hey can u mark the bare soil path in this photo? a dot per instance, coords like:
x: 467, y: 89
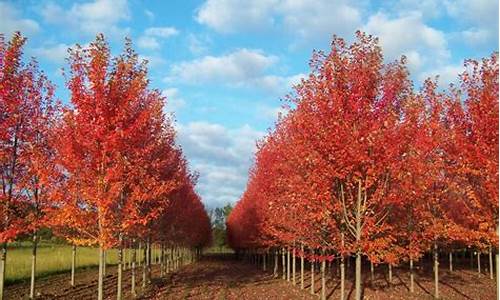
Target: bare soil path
x: 223, y: 277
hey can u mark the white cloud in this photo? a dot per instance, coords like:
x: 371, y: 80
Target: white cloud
x: 90, y: 18
x: 410, y: 36
x: 231, y: 16
x: 151, y: 36
x: 148, y: 42
x: 163, y: 32
x: 271, y: 113
x: 55, y: 53
x: 221, y: 155
x: 198, y: 44
x: 12, y: 21
x: 153, y: 60
x: 149, y: 14
x: 319, y: 20
x: 174, y: 101
x: 478, y: 12
x: 309, y: 20
x: 277, y: 85
x: 476, y: 36
x: 234, y: 68
x: 447, y: 74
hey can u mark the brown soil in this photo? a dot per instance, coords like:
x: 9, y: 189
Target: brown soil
x: 223, y: 277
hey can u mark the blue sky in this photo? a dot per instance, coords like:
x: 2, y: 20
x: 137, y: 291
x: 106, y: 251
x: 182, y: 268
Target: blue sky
x: 224, y: 65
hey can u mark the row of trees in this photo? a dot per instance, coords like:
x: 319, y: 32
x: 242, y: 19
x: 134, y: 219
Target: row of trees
x: 363, y: 165
x: 104, y: 170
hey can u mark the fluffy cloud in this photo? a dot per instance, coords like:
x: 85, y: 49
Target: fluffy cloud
x: 478, y: 12
x: 235, y: 68
x: 242, y: 68
x: 198, y: 44
x: 410, y: 36
x: 231, y: 16
x: 221, y: 155
x: 55, y: 53
x: 310, y: 20
x: 151, y: 37
x: 174, y: 101
x: 11, y: 21
x: 318, y: 20
x: 91, y: 17
x: 447, y: 74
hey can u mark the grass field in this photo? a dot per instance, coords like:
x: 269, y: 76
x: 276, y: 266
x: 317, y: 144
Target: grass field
x: 52, y: 259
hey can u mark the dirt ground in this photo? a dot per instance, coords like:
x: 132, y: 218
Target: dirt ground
x: 223, y: 277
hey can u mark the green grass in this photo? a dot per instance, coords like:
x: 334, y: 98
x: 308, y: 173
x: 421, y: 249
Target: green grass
x: 52, y: 259
x: 218, y: 250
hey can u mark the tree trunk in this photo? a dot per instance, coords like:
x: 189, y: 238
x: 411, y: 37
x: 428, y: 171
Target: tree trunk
x: 100, y: 284
x: 323, y: 279
x: 372, y: 275
x: 148, y: 263
x: 390, y: 273
x: 283, y: 263
x: 2, y: 268
x: 471, y: 259
x: 412, y: 284
x: 33, y: 266
x: 288, y: 265
x: 312, y: 277
x: 478, y: 263
x: 293, y: 266
x: 342, y: 270
x: 120, y: 269
x: 162, y: 260
x: 144, y: 266
x: 104, y: 265
x: 132, y: 275
x: 302, y: 267
x: 264, y: 261
x: 451, y: 261
x: 73, y: 265
x: 436, y: 272
x: 358, y: 240
x: 491, y: 261
x: 275, y: 272
x: 140, y: 258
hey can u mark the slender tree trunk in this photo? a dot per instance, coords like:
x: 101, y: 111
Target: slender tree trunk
x: 471, y: 259
x: 3, y: 261
x: 293, y: 266
x: 478, y: 263
x: 33, y: 265
x: 140, y: 258
x: 73, y: 265
x: 372, y: 271
x: 451, y: 261
x: 132, y: 275
x: 104, y: 265
x: 312, y: 277
x: 412, y: 284
x: 323, y: 279
x: 148, y: 263
x: 436, y: 272
x: 288, y: 264
x: 275, y: 263
x: 491, y: 261
x: 162, y: 263
x: 358, y: 240
x: 264, y: 261
x: 302, y: 267
x: 120, y: 269
x: 283, y: 263
x: 100, y: 284
x: 342, y: 270
x: 144, y: 266
x: 390, y: 273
